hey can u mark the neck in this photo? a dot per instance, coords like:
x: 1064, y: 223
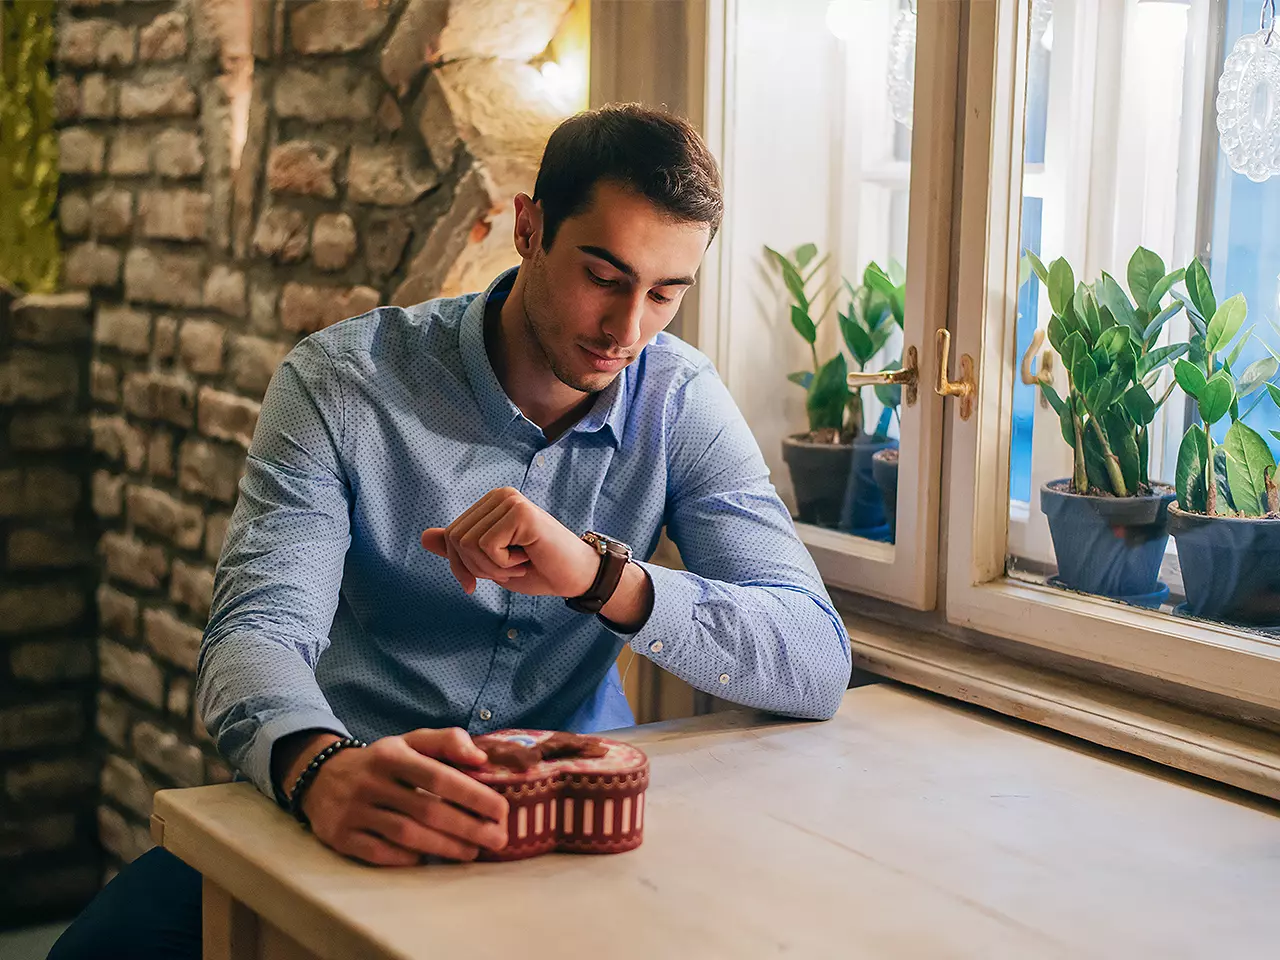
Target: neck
x: 523, y: 371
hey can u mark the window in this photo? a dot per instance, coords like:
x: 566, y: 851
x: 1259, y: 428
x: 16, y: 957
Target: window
x: 828, y: 107
x: 1127, y: 186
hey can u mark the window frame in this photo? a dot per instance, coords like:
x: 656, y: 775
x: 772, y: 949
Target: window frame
x: 1234, y: 663
x: 905, y: 572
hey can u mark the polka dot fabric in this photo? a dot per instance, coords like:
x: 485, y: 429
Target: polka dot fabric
x: 329, y: 614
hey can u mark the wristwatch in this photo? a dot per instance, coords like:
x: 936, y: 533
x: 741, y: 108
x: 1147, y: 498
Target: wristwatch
x: 614, y: 557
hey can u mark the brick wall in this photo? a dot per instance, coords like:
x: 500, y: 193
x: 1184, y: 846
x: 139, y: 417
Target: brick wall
x: 49, y: 860
x: 237, y: 174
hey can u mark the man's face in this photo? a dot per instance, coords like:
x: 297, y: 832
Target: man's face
x: 612, y: 280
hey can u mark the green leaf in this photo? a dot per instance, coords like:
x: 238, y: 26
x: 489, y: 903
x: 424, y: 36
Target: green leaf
x: 1234, y: 355
x: 1256, y: 374
x: 881, y: 334
x: 1037, y: 266
x: 856, y: 339
x: 1124, y: 444
x: 1106, y: 319
x: 805, y: 253
x: 1061, y: 285
x: 1099, y: 396
x: 1112, y: 341
x: 1139, y: 404
x: 791, y: 277
x: 801, y: 378
x: 1144, y: 455
x: 1275, y: 393
x: 1157, y: 358
x: 829, y: 395
x: 1226, y: 505
x: 1275, y: 433
x: 1058, y: 332
x: 1068, y: 424
x: 1190, y: 378
x: 890, y: 394
x: 1158, y: 322
x: 1159, y: 291
x: 1111, y: 296
x: 1095, y: 461
x: 1074, y: 349
x: 1197, y: 353
x: 1193, y: 459
x: 1200, y: 290
x: 1248, y: 460
x: 1217, y: 397
x: 1146, y: 270
x: 1226, y: 323
x: 1090, y: 317
x: 1051, y: 395
x: 804, y: 326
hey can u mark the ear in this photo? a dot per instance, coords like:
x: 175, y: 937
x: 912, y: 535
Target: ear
x: 528, y: 231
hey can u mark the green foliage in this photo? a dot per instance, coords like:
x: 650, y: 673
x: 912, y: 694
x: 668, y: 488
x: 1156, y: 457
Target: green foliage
x: 875, y: 310
x: 1107, y: 342
x: 1237, y: 478
x: 29, y: 253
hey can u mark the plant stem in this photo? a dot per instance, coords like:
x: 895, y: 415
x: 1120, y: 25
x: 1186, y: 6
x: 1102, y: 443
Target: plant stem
x: 1160, y: 402
x: 1210, y: 481
x: 1113, y: 462
x: 814, y: 350
x: 1273, y: 492
x: 1081, y: 478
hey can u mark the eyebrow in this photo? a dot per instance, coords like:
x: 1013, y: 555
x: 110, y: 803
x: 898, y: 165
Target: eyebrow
x: 630, y: 271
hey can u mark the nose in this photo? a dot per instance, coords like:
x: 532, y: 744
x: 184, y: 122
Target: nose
x: 623, y: 322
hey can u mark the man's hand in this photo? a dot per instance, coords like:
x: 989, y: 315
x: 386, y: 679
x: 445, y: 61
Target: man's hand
x: 507, y: 538
x: 394, y: 801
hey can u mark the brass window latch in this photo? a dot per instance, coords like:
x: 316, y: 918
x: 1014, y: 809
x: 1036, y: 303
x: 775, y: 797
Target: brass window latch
x: 908, y: 377
x: 966, y: 386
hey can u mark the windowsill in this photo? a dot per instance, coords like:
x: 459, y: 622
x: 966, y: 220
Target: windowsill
x: 1192, y: 741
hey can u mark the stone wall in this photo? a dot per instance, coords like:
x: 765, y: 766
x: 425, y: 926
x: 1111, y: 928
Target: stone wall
x: 49, y: 858
x: 237, y: 174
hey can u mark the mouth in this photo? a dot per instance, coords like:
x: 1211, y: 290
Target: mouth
x: 603, y: 362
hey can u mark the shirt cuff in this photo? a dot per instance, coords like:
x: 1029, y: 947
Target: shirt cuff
x: 257, y: 766
x: 674, y: 596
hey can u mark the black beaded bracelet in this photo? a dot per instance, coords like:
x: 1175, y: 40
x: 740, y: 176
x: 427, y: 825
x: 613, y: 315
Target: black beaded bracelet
x: 309, y: 774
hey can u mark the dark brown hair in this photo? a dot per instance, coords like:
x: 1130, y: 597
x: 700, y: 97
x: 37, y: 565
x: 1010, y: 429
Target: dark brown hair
x: 652, y: 152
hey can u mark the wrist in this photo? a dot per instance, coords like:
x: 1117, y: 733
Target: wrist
x: 293, y: 753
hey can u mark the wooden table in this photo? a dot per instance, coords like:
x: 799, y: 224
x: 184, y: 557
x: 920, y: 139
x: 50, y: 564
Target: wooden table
x: 907, y: 827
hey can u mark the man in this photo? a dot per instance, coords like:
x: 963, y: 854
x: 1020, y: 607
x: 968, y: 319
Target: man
x: 433, y: 533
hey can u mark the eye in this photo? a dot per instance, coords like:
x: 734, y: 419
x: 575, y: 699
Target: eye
x: 600, y: 281
x: 659, y: 298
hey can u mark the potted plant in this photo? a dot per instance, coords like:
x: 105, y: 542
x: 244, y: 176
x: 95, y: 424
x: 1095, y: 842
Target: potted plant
x: 1226, y: 521
x: 876, y: 310
x: 818, y: 459
x: 1108, y: 520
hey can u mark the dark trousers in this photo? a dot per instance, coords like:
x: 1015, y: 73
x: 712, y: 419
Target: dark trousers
x: 150, y: 909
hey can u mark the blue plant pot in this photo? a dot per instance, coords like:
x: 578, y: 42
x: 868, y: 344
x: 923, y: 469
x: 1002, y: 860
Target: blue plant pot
x: 1151, y: 601
x: 1108, y: 546
x: 863, y: 511
x: 1230, y: 567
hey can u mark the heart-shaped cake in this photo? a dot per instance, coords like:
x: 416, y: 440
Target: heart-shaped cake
x: 572, y: 792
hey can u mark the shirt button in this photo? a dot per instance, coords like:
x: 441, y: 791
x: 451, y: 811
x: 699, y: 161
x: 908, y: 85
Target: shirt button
x: 542, y: 461
x: 486, y: 714
x: 724, y: 678
x: 512, y: 633
x: 656, y: 646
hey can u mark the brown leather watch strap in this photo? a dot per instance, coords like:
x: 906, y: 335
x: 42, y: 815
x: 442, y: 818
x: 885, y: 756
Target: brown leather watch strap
x: 614, y: 557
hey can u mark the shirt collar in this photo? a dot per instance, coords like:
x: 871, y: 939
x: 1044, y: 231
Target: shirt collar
x: 608, y: 413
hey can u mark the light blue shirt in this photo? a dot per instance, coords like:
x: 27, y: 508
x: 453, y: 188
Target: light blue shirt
x: 328, y: 613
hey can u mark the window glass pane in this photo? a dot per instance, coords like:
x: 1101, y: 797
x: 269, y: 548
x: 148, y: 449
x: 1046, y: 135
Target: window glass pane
x: 821, y: 171
x: 1125, y: 186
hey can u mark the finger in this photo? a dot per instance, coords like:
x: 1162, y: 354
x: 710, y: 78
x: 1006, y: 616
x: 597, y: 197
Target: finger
x: 432, y: 812
x: 449, y: 784
x: 501, y: 540
x: 409, y: 834
x: 445, y: 743
x: 375, y: 850
x: 491, y: 562
x: 434, y: 540
x: 460, y: 571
